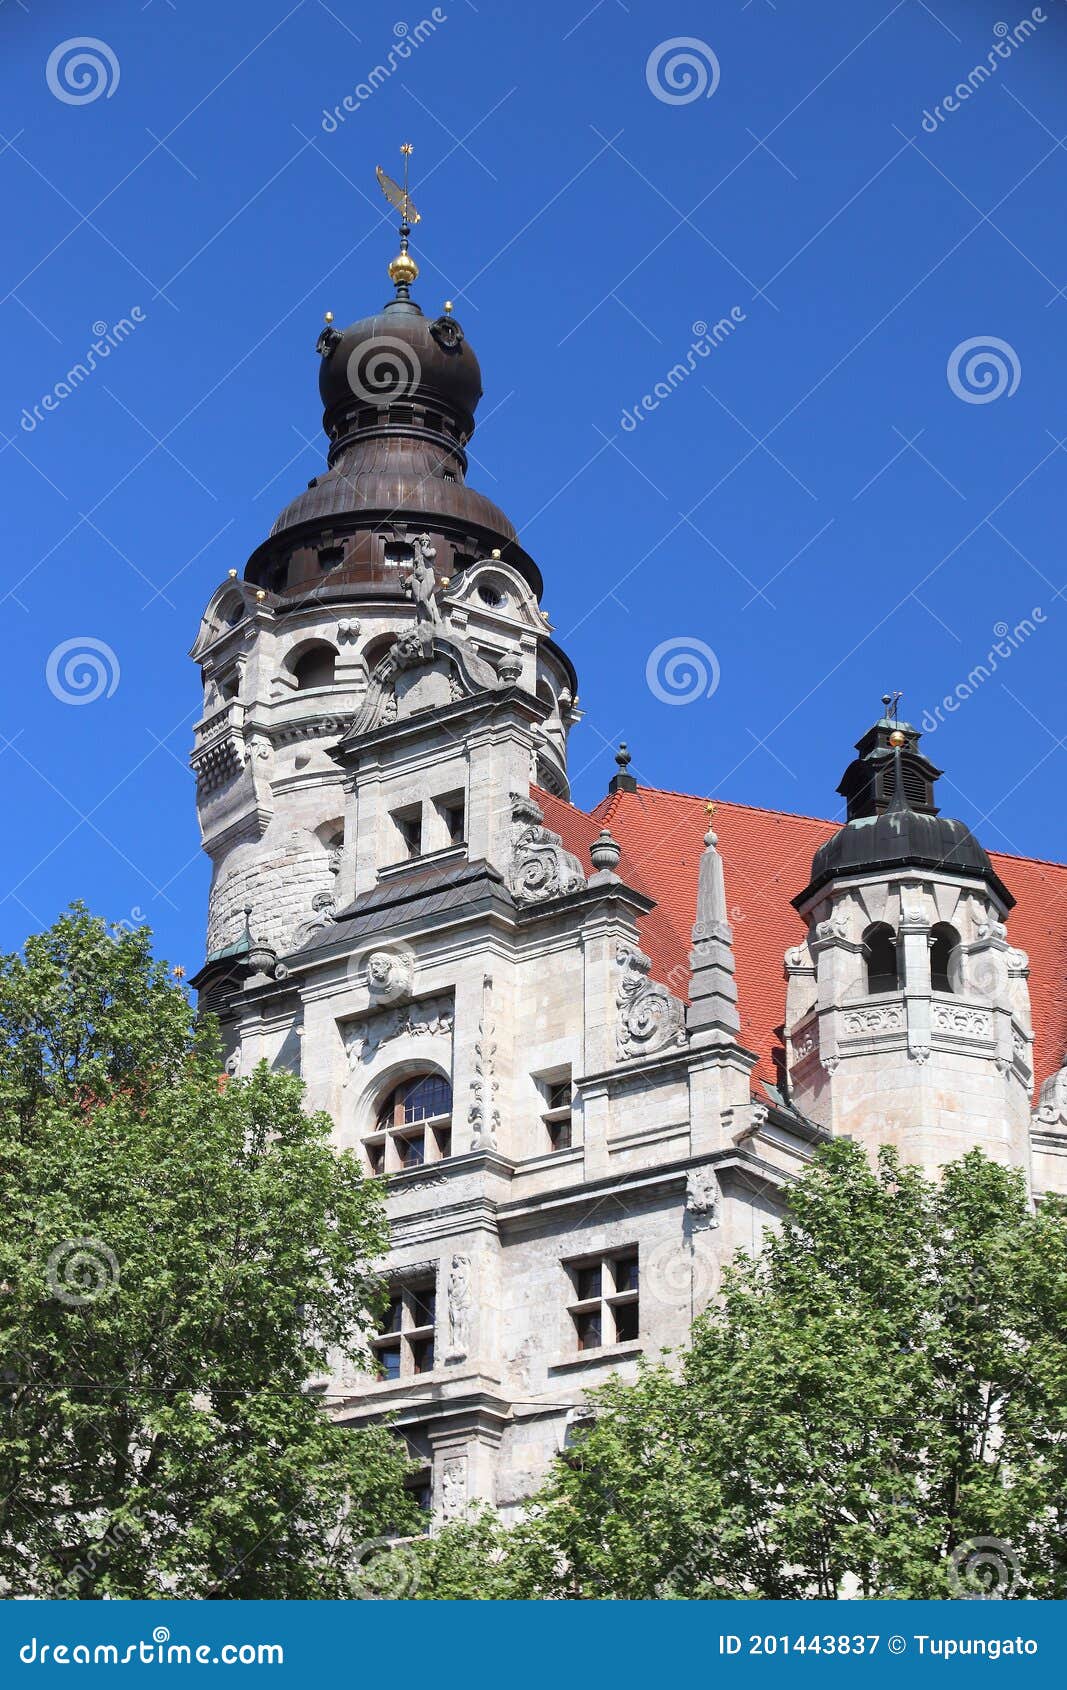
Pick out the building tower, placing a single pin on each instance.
(907, 1009)
(382, 777)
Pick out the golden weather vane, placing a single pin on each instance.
(397, 195)
(403, 270)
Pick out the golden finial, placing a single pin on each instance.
(260, 595)
(178, 972)
(327, 316)
(232, 574)
(897, 739)
(495, 553)
(709, 808)
(448, 308)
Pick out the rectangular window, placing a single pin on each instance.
(389, 1361)
(408, 824)
(605, 1308)
(625, 1273)
(626, 1322)
(587, 1327)
(411, 1149)
(587, 1282)
(557, 1112)
(422, 1355)
(404, 1346)
(423, 1306)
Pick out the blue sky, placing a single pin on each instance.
(818, 503)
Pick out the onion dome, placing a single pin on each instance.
(893, 822)
(399, 393)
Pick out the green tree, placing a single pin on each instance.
(177, 1254)
(876, 1406)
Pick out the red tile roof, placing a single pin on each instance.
(767, 860)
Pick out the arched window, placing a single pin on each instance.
(944, 943)
(413, 1125)
(315, 666)
(880, 955)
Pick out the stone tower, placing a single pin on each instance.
(394, 915)
(907, 1010)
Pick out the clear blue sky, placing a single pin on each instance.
(815, 503)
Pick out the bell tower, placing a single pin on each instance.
(907, 1008)
(370, 551)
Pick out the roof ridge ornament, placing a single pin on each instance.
(403, 269)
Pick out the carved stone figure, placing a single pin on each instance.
(453, 1487)
(650, 1017)
(389, 976)
(422, 585)
(540, 868)
(459, 1307)
(703, 1197)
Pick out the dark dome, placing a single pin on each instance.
(400, 357)
(399, 391)
(903, 839)
(383, 476)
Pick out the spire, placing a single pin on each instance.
(712, 1016)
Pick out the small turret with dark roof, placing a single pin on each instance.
(893, 821)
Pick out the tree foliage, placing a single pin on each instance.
(176, 1258)
(876, 1406)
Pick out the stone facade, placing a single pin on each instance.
(572, 1153)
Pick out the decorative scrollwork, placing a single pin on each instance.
(650, 1017)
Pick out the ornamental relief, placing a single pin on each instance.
(540, 866)
(966, 1022)
(878, 1018)
(650, 1017)
(806, 1042)
(433, 1017)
